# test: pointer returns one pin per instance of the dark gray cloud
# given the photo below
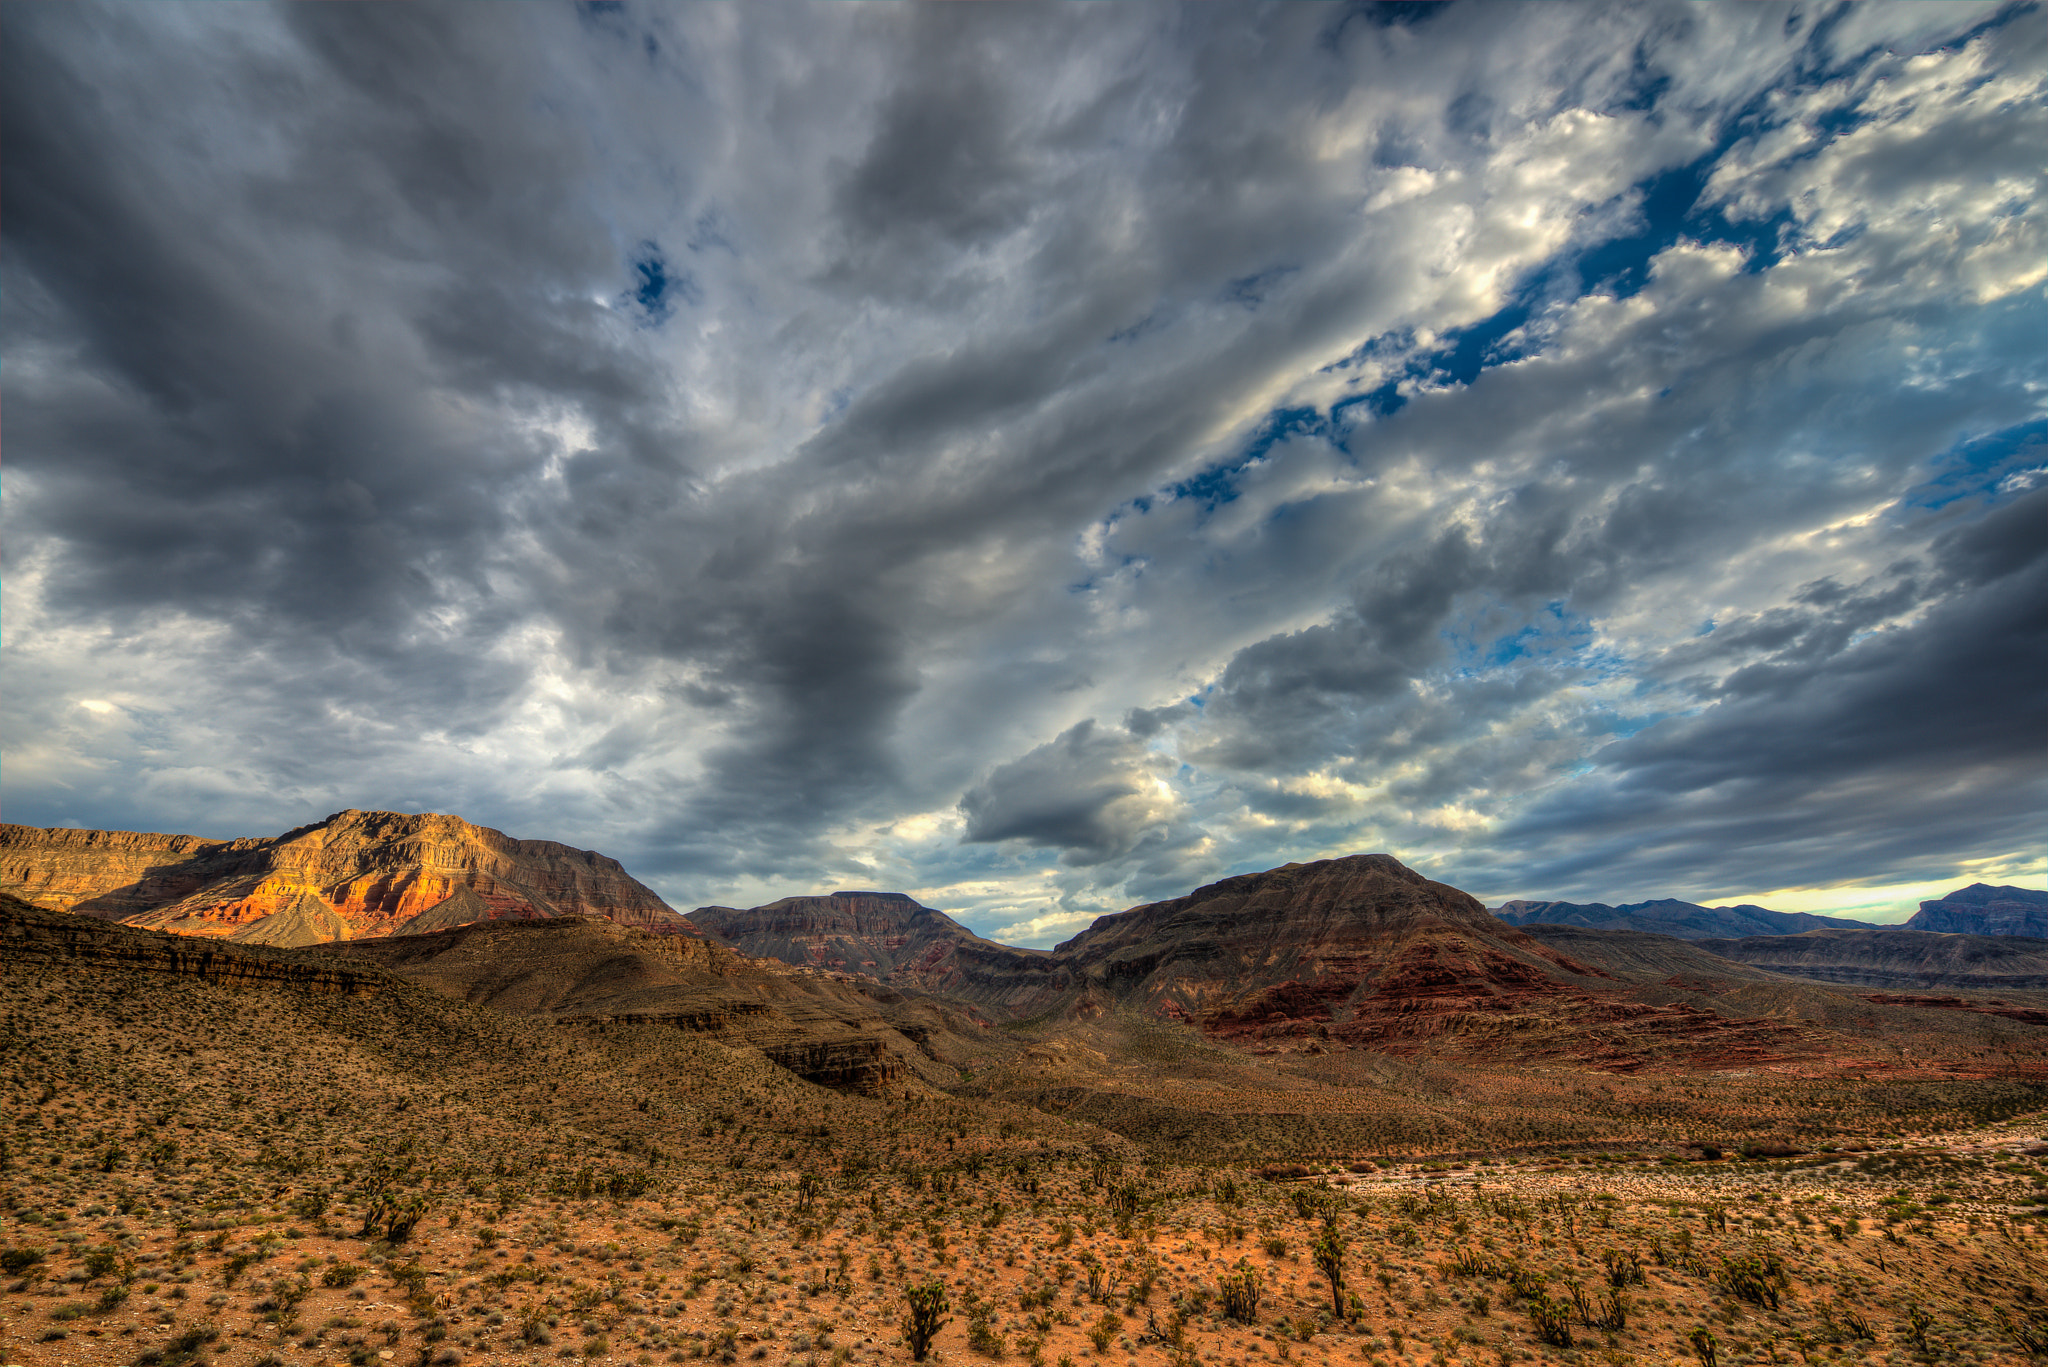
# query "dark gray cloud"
(1590, 452)
(1093, 793)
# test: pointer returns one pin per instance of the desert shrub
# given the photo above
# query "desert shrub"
(15, 1261)
(2027, 1328)
(1103, 1332)
(341, 1275)
(1769, 1148)
(1468, 1263)
(1756, 1278)
(1623, 1269)
(1551, 1319)
(1238, 1293)
(983, 1335)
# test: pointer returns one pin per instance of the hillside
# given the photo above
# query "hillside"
(245, 1156)
(354, 875)
(826, 1028)
(1635, 957)
(1668, 916)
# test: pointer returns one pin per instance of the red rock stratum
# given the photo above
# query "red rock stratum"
(356, 875)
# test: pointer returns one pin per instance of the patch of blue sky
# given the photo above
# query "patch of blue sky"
(1218, 484)
(610, 18)
(1668, 210)
(1982, 466)
(657, 285)
(1618, 725)
(1490, 637)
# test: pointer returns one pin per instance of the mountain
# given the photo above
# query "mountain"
(1304, 940)
(891, 938)
(1896, 958)
(1353, 954)
(1354, 946)
(1668, 916)
(355, 875)
(1983, 910)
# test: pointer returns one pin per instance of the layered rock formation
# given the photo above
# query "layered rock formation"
(1360, 951)
(1896, 958)
(32, 934)
(1983, 910)
(355, 875)
(1668, 916)
(1636, 957)
(891, 938)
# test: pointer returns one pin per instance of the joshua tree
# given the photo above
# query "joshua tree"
(927, 1303)
(1329, 1255)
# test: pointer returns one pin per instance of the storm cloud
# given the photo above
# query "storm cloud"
(1040, 459)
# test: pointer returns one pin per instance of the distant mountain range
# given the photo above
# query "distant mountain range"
(1976, 910)
(1896, 957)
(1668, 916)
(1355, 952)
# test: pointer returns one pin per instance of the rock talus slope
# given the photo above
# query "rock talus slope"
(355, 875)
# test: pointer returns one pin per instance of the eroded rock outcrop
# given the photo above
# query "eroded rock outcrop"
(355, 875)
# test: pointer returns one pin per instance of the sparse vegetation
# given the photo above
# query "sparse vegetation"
(544, 1216)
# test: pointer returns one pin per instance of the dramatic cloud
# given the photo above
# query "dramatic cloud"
(1041, 461)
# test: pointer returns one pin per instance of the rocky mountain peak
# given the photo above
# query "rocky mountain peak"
(356, 874)
(1981, 909)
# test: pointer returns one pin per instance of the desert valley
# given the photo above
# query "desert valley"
(398, 1088)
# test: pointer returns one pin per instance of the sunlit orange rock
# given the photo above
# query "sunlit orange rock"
(355, 875)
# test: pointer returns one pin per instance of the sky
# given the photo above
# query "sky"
(1041, 459)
